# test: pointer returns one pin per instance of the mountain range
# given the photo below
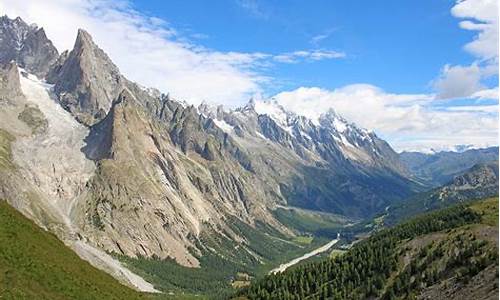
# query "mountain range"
(440, 167)
(116, 169)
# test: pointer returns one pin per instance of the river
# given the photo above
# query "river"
(294, 261)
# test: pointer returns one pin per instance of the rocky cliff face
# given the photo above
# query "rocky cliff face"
(102, 161)
(27, 45)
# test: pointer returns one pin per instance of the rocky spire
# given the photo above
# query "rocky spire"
(87, 81)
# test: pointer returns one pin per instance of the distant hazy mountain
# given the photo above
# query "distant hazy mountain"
(439, 168)
(478, 182)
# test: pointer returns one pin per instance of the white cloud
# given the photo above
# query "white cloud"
(407, 121)
(463, 81)
(151, 52)
(317, 39)
(475, 108)
(482, 16)
(458, 81)
(253, 8)
(308, 55)
(146, 49)
(424, 121)
(486, 94)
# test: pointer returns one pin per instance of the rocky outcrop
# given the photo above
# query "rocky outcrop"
(27, 45)
(354, 171)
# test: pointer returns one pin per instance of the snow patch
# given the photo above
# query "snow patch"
(260, 135)
(224, 126)
(273, 110)
(340, 125)
(53, 160)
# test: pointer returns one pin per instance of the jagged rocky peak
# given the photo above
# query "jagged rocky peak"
(86, 81)
(211, 110)
(27, 45)
(332, 119)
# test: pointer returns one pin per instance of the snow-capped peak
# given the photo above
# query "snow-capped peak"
(275, 111)
(332, 119)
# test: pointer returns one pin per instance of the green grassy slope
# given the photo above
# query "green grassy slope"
(34, 264)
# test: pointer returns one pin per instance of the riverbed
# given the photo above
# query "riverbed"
(294, 261)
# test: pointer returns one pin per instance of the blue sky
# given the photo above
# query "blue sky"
(378, 39)
(421, 74)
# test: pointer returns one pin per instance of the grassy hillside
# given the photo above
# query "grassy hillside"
(311, 222)
(34, 264)
(447, 254)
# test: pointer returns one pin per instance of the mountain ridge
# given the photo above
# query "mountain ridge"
(104, 162)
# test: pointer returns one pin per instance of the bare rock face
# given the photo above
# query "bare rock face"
(27, 45)
(86, 80)
(153, 197)
(10, 86)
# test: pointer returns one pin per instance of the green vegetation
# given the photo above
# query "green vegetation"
(306, 240)
(488, 209)
(317, 223)
(5, 150)
(337, 252)
(376, 267)
(223, 261)
(461, 254)
(34, 264)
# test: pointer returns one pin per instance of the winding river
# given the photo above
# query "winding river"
(294, 261)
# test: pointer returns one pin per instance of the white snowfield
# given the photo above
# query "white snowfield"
(60, 170)
(295, 261)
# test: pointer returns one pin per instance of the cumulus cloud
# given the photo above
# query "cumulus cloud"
(458, 81)
(408, 121)
(480, 16)
(154, 53)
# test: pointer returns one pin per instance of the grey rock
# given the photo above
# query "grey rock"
(27, 45)
(86, 81)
